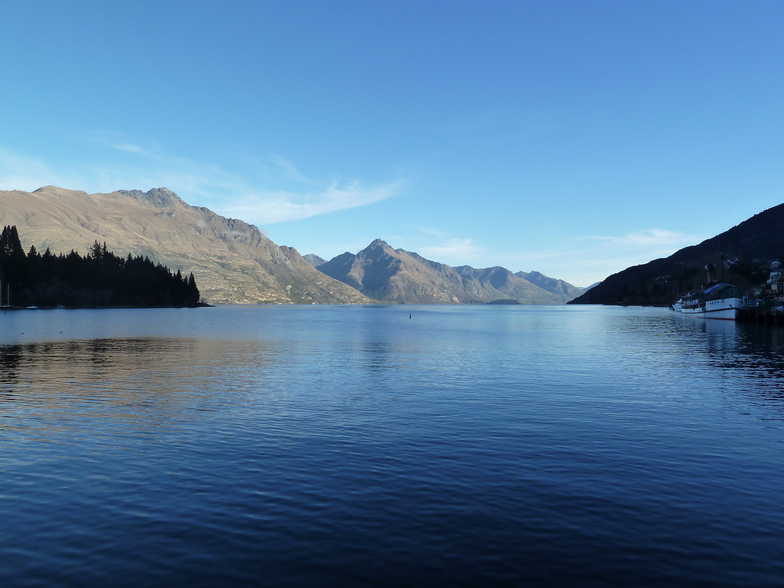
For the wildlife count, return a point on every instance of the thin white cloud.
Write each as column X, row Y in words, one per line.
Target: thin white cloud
column 276, row 207
column 655, row 238
column 241, row 199
column 131, row 148
column 434, row 232
column 588, row 259
column 291, row 171
column 452, row 249
column 289, row 195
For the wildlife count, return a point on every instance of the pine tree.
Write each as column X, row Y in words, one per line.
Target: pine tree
column 98, row 279
column 193, row 291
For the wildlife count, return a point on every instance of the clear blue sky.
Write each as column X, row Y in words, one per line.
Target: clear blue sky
column 572, row 138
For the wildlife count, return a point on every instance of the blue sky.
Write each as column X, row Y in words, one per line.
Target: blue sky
column 572, row 138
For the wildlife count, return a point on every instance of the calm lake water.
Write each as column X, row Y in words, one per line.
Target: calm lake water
column 339, row 446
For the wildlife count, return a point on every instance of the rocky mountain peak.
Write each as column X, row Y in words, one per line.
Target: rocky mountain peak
column 378, row 249
column 157, row 197
column 395, row 275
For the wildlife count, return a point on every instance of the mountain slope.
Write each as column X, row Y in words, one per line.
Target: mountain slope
column 395, row 275
column 500, row 283
column 383, row 273
column 553, row 285
column 747, row 248
column 314, row 259
column 233, row 262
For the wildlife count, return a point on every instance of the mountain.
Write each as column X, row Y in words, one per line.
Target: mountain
column 395, row 275
column 747, row 250
column 553, row 285
column 314, row 259
column 496, row 283
column 232, row 261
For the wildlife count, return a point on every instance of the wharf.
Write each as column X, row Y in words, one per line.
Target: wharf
column 764, row 313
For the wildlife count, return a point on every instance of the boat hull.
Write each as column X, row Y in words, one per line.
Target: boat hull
column 721, row 308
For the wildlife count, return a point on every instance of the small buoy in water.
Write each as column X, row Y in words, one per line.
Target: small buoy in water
column 409, row 316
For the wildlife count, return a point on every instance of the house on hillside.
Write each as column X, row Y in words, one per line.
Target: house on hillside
column 774, row 287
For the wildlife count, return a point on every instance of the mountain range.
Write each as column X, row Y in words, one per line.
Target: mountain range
column 395, row 275
column 235, row 263
column 232, row 261
column 742, row 256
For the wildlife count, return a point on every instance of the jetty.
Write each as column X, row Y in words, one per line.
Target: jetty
column 769, row 312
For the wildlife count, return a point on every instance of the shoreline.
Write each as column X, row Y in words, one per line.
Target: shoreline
column 60, row 307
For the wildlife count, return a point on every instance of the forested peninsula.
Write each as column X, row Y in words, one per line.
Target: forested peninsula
column 99, row 279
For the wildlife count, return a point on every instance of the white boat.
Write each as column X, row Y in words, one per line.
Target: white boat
column 721, row 301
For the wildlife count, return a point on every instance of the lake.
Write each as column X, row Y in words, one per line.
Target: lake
column 389, row 445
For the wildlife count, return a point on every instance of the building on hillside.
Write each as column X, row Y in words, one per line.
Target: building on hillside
column 774, row 287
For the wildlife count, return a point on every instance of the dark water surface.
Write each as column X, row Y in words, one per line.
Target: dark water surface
column 335, row 446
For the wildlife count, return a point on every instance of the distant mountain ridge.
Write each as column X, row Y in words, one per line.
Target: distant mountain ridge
column 314, row 259
column 553, row 285
column 747, row 250
column 395, row 275
column 235, row 263
column 232, row 261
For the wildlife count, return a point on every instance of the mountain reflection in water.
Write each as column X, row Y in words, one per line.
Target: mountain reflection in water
column 355, row 446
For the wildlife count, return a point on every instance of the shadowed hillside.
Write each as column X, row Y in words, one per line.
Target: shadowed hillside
column 748, row 249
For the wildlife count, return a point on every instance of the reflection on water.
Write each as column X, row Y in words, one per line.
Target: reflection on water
column 9, row 363
column 70, row 385
column 750, row 359
column 356, row 446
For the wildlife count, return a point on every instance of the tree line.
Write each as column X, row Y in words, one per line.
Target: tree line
column 100, row 278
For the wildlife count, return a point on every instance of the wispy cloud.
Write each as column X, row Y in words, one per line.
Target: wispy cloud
column 653, row 240
column 435, row 232
column 291, row 170
column 584, row 260
column 453, row 250
column 276, row 207
column 240, row 197
column 131, row 148
column 263, row 190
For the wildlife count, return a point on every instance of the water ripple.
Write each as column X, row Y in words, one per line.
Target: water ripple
column 345, row 445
